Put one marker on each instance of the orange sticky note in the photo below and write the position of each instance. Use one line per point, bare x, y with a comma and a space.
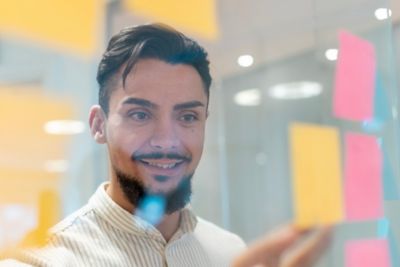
355, 78
316, 172
73, 25
193, 16
363, 183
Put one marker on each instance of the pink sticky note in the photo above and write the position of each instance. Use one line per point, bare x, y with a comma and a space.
355, 78
367, 253
363, 186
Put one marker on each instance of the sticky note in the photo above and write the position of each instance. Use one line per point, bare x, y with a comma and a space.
392, 213
382, 110
192, 16
72, 25
394, 251
383, 228
363, 186
367, 253
316, 173
390, 186
355, 78
372, 126
49, 213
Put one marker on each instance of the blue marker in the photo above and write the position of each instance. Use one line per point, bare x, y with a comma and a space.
152, 209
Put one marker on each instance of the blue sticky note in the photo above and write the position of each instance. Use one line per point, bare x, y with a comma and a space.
382, 110
383, 228
394, 250
372, 126
390, 190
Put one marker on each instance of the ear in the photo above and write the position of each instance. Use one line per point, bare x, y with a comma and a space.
97, 123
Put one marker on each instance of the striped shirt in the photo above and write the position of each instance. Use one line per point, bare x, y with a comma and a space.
103, 234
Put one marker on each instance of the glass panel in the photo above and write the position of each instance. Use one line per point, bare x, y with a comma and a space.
245, 181
260, 105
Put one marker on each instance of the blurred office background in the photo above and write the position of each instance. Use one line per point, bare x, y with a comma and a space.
273, 62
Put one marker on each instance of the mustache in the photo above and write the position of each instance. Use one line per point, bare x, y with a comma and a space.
159, 155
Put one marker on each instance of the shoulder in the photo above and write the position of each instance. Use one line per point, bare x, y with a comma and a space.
78, 231
220, 245
75, 220
67, 242
209, 228
212, 232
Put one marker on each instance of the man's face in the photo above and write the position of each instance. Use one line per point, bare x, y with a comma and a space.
155, 127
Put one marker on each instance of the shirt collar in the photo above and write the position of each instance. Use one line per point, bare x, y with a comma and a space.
125, 221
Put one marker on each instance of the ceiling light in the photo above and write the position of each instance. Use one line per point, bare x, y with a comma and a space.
295, 90
245, 61
64, 127
383, 13
56, 165
331, 54
249, 97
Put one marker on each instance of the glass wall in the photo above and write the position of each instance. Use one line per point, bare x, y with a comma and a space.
246, 181
261, 109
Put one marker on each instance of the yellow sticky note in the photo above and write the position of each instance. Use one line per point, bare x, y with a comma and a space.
195, 16
49, 213
316, 171
73, 25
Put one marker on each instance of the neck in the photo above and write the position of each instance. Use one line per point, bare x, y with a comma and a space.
169, 223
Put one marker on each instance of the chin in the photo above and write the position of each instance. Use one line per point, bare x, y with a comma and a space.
174, 198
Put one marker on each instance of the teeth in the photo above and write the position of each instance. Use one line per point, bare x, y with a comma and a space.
163, 166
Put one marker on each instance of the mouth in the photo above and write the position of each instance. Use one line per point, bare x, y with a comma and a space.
162, 164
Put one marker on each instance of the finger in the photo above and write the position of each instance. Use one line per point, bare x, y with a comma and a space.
268, 250
308, 251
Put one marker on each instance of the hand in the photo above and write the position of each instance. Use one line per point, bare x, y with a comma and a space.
287, 247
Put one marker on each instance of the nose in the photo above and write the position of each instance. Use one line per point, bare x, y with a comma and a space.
164, 136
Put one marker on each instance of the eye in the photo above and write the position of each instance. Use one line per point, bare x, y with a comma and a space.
139, 115
188, 118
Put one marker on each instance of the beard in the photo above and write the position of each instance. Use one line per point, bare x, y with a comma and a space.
137, 193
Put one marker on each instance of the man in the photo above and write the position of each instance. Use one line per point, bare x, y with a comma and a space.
153, 105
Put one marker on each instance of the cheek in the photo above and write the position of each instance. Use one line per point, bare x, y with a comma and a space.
194, 141
127, 141
121, 150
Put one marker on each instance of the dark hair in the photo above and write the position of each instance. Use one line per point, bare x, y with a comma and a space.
156, 41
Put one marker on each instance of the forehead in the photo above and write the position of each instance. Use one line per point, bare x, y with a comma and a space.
159, 81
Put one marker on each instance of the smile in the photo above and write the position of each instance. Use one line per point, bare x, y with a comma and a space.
162, 165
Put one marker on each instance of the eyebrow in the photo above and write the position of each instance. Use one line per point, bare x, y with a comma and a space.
140, 102
146, 103
186, 105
